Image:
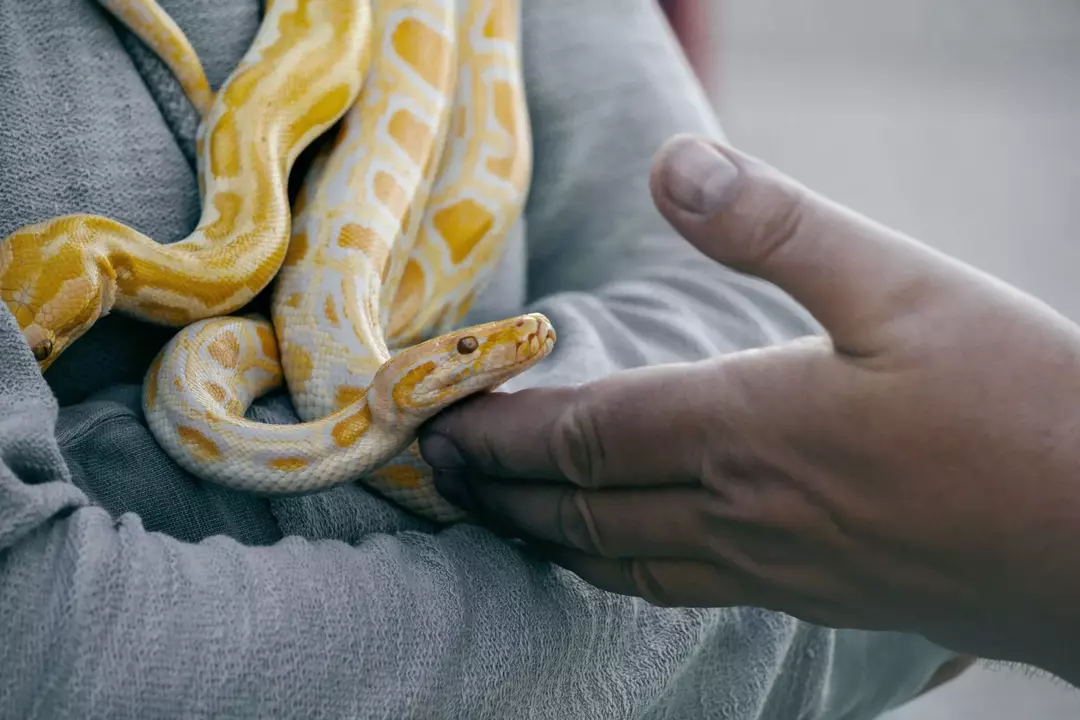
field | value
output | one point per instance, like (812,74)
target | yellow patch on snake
(357,237)
(500,23)
(462,226)
(407,300)
(166,313)
(298,247)
(503,109)
(345,395)
(152,380)
(460,125)
(332,105)
(401,476)
(225,349)
(229,206)
(300,365)
(416,44)
(267,342)
(503,96)
(294,300)
(413,135)
(408,382)
(216,391)
(288,464)
(198,444)
(352,428)
(390,193)
(225,150)
(330,312)
(151,274)
(406,219)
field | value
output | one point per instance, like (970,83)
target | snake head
(55,290)
(423,379)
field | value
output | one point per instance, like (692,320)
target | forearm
(1041,628)
(298,629)
(1056,648)
(1055,603)
(104,618)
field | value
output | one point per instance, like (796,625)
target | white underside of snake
(400,220)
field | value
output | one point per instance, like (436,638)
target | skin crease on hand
(917,468)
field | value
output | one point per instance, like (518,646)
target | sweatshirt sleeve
(101,618)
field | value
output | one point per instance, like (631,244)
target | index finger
(639,427)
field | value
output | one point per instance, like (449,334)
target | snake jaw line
(65,285)
(436,373)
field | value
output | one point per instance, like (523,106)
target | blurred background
(956,121)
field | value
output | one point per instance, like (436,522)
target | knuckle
(646,585)
(577,523)
(576,446)
(486,452)
(776,208)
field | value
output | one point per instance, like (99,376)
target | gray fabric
(129,589)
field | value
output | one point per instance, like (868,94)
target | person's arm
(102,618)
(917,469)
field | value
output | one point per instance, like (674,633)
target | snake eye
(467,345)
(43,350)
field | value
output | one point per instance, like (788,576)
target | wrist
(1046,633)
(1043,589)
(1057,646)
(1030,617)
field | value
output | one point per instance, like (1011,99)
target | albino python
(303,71)
(398,223)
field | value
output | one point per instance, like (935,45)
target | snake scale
(398,223)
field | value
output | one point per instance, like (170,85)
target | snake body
(154,27)
(303,71)
(360,205)
(196,395)
(482,185)
(397,224)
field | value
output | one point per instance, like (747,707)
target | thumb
(852,274)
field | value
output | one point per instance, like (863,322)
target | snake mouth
(488,358)
(536,344)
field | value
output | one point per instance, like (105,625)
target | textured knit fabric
(130,589)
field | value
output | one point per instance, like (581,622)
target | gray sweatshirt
(130,589)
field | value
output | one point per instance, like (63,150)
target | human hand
(917,470)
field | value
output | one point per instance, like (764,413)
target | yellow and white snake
(398,223)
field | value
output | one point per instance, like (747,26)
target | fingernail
(451,485)
(440,452)
(698,176)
